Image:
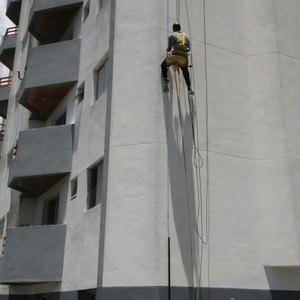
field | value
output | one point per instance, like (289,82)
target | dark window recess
(50,212)
(42,297)
(95,185)
(87,295)
(62,119)
(74,188)
(100,81)
(80,94)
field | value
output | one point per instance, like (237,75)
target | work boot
(190,92)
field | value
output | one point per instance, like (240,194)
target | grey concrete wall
(90,117)
(43,151)
(8,42)
(52,64)
(4,93)
(33,254)
(145,137)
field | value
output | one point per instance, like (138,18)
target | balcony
(8,47)
(33,254)
(49,20)
(44,157)
(5,83)
(13,10)
(51,72)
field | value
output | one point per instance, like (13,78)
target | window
(87,295)
(100,80)
(2,235)
(42,297)
(50,212)
(74,188)
(86,10)
(80,94)
(95,184)
(62,119)
(100,4)
(12,154)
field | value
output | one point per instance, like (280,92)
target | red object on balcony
(5,81)
(11,31)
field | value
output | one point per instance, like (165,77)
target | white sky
(4,23)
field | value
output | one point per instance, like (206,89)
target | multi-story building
(111,188)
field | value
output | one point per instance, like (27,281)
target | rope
(168,189)
(185,170)
(178,11)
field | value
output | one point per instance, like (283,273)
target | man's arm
(170,43)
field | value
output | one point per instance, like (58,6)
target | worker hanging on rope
(178,48)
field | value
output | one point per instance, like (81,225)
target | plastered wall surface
(240,196)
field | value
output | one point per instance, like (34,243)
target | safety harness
(180,48)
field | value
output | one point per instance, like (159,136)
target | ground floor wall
(161,293)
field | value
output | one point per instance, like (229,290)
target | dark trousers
(185,73)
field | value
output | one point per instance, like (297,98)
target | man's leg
(164,69)
(186,75)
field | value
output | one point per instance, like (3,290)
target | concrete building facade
(112,188)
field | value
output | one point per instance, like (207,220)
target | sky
(4,23)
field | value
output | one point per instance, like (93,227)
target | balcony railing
(5,81)
(11,31)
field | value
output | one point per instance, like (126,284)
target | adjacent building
(111,188)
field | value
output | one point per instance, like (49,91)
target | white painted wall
(253,112)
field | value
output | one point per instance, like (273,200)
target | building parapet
(33,254)
(43,158)
(8,47)
(51,72)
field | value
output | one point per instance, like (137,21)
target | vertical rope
(168,185)
(186,179)
(178,11)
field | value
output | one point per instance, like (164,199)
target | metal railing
(5,81)
(11,31)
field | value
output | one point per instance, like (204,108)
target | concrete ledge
(178,293)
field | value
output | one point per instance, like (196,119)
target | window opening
(86,10)
(80,94)
(50,213)
(12,154)
(100,80)
(74,184)
(62,119)
(95,185)
(87,295)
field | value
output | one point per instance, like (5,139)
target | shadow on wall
(284,282)
(182,187)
